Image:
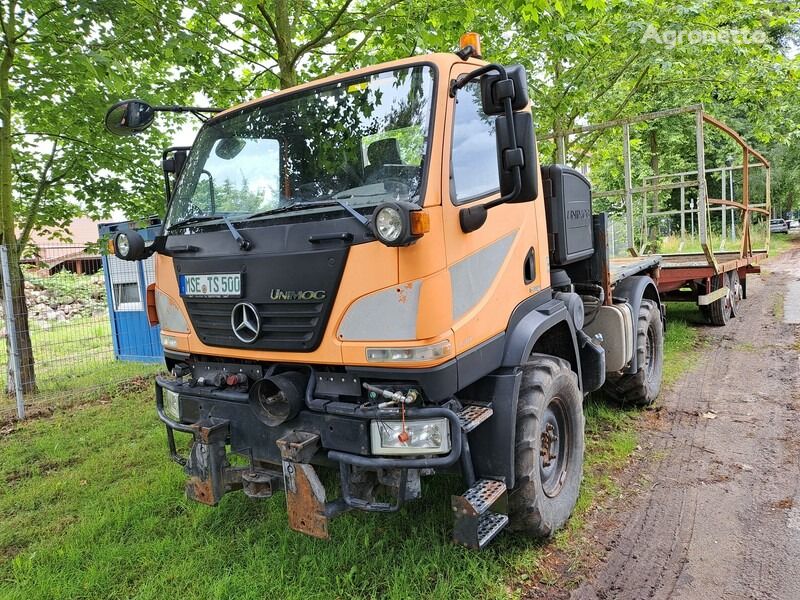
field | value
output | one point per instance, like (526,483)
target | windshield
(362,141)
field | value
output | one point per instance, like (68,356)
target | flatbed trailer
(713,277)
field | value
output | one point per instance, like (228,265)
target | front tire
(642,388)
(549,447)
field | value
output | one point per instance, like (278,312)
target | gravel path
(720,514)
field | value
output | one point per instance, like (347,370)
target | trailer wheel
(642,388)
(720,309)
(549,447)
(736,291)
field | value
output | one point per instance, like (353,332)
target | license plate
(217,285)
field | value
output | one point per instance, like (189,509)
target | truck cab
(373,273)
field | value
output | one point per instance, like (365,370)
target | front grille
(284,326)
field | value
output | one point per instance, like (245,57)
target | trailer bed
(679,269)
(622,267)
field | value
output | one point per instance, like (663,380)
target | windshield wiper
(287,208)
(328,201)
(193,220)
(244,244)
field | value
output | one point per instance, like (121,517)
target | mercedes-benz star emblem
(245,322)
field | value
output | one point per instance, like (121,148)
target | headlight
(129,246)
(123,245)
(169,314)
(425,436)
(389,224)
(399,223)
(411,354)
(172,404)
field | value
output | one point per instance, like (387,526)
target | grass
(780,243)
(91,507)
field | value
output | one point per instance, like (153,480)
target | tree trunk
(24,346)
(7,220)
(284,45)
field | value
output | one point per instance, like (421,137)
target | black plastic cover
(526,142)
(494,105)
(568,206)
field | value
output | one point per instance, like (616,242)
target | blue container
(126,292)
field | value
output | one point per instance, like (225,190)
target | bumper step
(473,415)
(480,513)
(489,525)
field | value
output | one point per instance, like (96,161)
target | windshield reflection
(361,141)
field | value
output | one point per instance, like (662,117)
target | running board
(480,513)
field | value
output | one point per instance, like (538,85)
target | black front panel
(293,293)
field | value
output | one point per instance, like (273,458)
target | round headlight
(129,246)
(123,245)
(389,224)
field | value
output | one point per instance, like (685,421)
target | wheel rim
(726,300)
(736,291)
(649,359)
(553,454)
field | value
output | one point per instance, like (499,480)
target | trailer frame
(708,276)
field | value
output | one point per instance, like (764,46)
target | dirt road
(719,515)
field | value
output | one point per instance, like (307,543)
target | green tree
(62,63)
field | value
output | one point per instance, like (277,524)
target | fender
(492,444)
(632,290)
(522,335)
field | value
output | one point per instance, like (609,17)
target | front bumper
(343,427)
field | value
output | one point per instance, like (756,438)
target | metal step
(489,525)
(480,513)
(483,495)
(473,415)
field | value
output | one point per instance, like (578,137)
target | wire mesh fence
(73,325)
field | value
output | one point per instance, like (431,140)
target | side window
(474,154)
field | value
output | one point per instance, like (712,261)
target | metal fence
(73,326)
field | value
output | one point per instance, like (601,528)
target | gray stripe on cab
(471,277)
(383,316)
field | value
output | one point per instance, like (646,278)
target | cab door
(496,267)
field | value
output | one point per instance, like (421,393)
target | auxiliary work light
(423,436)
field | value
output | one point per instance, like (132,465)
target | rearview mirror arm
(195,110)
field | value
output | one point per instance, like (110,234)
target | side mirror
(129,117)
(174,164)
(492,92)
(522,155)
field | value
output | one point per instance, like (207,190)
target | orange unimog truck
(373,273)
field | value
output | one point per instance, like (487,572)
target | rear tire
(720,309)
(642,388)
(736,292)
(549,447)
